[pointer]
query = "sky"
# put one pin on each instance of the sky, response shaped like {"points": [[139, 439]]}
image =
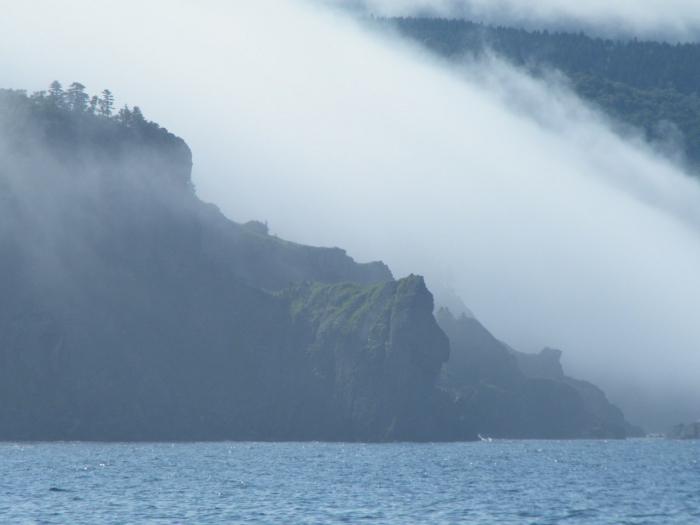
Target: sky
{"points": [[508, 191]]}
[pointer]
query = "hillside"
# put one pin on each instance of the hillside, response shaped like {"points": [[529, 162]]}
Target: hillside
{"points": [[509, 394], [653, 86]]}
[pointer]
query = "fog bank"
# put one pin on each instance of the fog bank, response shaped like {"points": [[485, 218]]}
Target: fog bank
{"points": [[552, 229]]}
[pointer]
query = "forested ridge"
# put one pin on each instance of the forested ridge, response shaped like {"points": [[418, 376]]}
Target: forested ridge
{"points": [[68, 118], [654, 86]]}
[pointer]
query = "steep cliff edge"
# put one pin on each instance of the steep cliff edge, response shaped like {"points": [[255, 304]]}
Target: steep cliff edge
{"points": [[375, 354], [510, 394], [547, 365], [133, 311]]}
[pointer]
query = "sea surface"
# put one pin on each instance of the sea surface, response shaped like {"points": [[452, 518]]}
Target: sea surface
{"points": [[543, 482]]}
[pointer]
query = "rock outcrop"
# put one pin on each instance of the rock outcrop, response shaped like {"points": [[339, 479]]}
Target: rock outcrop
{"points": [[509, 394], [547, 365], [375, 353]]}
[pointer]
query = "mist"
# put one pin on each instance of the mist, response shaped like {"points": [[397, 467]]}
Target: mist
{"points": [[672, 20], [550, 226]]}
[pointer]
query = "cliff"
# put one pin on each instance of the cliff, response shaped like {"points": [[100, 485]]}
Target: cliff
{"points": [[133, 311], [510, 394], [375, 354], [547, 365]]}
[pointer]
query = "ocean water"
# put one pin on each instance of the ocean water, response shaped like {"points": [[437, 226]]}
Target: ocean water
{"points": [[543, 482]]}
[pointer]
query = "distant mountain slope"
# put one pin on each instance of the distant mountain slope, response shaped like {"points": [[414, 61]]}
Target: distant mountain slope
{"points": [[654, 86], [505, 393]]}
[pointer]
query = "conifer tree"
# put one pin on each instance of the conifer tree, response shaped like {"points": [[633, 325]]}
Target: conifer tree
{"points": [[92, 108], [125, 116], [77, 98], [137, 117], [106, 103], [56, 94], [38, 96]]}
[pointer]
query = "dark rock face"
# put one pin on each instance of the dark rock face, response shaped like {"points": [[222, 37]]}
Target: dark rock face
{"points": [[477, 357], [375, 354], [267, 262], [132, 311], [547, 365], [509, 394]]}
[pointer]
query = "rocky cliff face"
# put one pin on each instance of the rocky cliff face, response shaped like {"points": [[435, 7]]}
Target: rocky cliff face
{"points": [[547, 365], [510, 394], [375, 354], [132, 311]]}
